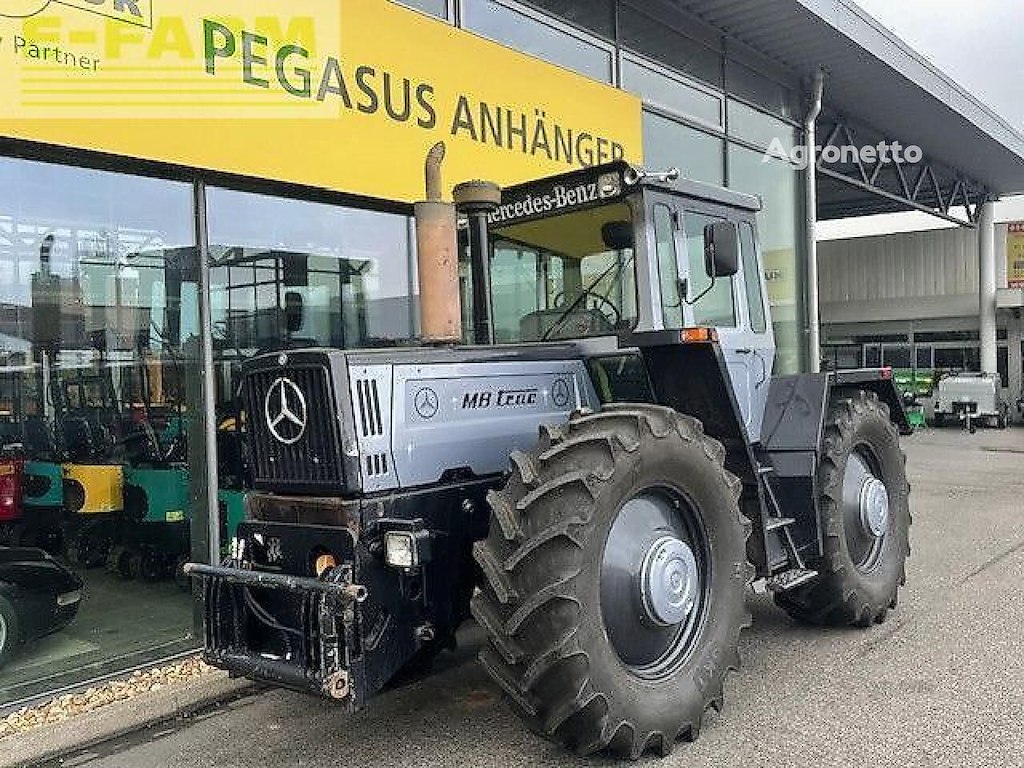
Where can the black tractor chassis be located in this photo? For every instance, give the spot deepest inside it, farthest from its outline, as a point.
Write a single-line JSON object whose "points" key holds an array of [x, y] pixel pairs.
{"points": [[779, 473], [346, 634]]}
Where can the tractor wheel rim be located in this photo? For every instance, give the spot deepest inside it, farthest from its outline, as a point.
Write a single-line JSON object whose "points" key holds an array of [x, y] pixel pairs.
{"points": [[654, 582], [867, 515], [669, 581], [874, 507]]}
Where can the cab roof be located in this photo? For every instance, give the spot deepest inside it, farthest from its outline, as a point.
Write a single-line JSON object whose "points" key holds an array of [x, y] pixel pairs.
{"points": [[602, 184]]}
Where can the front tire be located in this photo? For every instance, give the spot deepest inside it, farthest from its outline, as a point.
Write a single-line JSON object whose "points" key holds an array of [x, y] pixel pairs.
{"points": [[615, 575], [865, 514]]}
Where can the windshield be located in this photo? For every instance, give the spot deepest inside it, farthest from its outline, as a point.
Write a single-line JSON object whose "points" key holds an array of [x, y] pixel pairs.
{"points": [[564, 277]]}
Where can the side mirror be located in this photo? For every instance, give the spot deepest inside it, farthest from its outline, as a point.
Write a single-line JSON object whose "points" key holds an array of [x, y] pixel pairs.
{"points": [[721, 249]]}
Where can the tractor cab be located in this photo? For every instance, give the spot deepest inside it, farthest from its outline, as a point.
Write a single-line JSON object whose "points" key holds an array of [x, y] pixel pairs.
{"points": [[648, 258]]}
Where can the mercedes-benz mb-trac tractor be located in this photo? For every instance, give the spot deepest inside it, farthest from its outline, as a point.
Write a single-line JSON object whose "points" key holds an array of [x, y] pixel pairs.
{"points": [[597, 477]]}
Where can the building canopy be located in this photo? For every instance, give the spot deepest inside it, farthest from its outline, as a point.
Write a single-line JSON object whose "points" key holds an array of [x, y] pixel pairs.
{"points": [[879, 89]]}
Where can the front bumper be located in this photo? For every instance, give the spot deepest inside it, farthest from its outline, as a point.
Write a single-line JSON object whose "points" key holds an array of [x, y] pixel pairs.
{"points": [[269, 619], [318, 663], [342, 635]]}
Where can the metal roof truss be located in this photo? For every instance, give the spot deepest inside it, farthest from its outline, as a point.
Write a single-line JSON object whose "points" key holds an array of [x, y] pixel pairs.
{"points": [[926, 186]]}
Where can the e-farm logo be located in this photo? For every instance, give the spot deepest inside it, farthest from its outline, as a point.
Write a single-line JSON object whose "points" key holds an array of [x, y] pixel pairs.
{"points": [[142, 58], [137, 12]]}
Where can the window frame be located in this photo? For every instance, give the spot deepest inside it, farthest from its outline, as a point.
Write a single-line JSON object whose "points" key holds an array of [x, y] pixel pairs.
{"points": [[553, 22], [657, 203], [754, 285], [689, 208]]}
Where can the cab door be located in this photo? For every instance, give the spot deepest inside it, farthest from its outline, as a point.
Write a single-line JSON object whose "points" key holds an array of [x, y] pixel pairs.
{"points": [[754, 340], [737, 308]]}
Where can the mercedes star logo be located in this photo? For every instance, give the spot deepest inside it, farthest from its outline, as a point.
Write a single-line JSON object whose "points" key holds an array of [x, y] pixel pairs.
{"points": [[285, 411], [560, 393], [426, 403]]}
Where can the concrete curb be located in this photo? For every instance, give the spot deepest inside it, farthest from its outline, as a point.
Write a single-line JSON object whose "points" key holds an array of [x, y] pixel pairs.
{"points": [[115, 720]]}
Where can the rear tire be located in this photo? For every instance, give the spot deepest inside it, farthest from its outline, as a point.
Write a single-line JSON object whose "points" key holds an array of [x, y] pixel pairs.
{"points": [[91, 549], [586, 659], [861, 572], [9, 631], [118, 562]]}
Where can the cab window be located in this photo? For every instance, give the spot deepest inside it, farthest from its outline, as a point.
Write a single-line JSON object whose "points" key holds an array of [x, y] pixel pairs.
{"points": [[564, 277], [523, 280], [714, 301], [752, 279], [668, 267]]}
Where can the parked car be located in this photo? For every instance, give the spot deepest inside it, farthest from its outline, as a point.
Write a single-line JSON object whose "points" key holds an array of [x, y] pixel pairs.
{"points": [[38, 596]]}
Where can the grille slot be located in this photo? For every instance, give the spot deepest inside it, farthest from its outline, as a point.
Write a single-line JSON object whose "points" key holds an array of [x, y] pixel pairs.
{"points": [[376, 465], [368, 400], [370, 392], [315, 460]]}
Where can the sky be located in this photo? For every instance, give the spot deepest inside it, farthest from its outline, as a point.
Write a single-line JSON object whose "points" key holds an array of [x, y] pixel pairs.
{"points": [[977, 43], [980, 44]]}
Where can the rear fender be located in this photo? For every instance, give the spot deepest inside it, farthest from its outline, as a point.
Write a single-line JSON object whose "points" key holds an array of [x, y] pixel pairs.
{"points": [[791, 440], [879, 381]]}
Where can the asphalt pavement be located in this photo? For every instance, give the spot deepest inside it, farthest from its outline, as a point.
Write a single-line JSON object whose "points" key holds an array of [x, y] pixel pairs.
{"points": [[940, 684]]}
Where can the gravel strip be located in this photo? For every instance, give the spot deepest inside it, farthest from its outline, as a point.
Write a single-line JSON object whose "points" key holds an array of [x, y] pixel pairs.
{"points": [[139, 683]]}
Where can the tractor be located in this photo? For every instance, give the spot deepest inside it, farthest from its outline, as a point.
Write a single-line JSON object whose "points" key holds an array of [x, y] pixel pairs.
{"points": [[87, 429], [31, 499], [153, 532], [596, 469]]}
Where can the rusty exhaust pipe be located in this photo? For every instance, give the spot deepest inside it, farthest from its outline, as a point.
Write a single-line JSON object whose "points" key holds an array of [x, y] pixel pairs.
{"points": [[437, 257]]}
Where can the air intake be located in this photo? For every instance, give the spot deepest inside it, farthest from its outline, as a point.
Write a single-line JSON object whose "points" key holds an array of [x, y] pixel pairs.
{"points": [[376, 465], [370, 391], [368, 405]]}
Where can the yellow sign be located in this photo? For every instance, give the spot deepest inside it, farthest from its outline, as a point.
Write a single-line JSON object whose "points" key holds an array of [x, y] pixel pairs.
{"points": [[341, 94], [1015, 255]]}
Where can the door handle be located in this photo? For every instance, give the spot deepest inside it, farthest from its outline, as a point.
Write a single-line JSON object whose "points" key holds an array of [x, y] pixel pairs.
{"points": [[744, 351], [764, 370]]}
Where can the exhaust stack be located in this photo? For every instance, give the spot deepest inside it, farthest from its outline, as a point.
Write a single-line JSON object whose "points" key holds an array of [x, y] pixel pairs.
{"points": [[476, 200], [437, 257]]}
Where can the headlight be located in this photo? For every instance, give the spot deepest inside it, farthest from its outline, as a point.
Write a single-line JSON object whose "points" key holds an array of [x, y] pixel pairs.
{"points": [[400, 549], [407, 549], [69, 598]]}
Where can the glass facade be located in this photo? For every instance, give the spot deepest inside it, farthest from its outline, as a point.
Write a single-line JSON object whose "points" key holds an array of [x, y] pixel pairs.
{"points": [[294, 273], [779, 223], [662, 90], [524, 32], [669, 144], [657, 36], [762, 129], [99, 318]]}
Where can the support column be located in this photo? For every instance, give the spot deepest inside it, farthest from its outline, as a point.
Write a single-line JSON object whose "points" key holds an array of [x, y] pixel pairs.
{"points": [[1015, 337], [987, 286]]}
